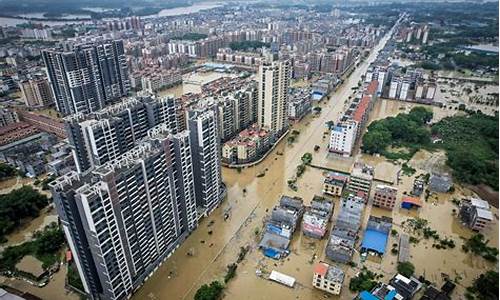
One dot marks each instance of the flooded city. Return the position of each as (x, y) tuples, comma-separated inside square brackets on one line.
[(251, 197), (183, 165)]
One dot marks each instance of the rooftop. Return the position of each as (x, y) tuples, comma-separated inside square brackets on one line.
[(361, 108), (412, 200), (485, 214)]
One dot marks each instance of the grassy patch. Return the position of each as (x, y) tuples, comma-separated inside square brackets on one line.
[(45, 246)]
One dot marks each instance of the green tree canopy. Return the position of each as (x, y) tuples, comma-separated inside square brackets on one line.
[(406, 269)]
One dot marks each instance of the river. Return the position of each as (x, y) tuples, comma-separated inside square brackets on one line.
[(197, 7)]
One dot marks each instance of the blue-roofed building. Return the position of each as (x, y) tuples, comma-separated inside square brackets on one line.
[(376, 235), (365, 295), (374, 241)]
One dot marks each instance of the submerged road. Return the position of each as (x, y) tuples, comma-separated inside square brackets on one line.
[(215, 244)]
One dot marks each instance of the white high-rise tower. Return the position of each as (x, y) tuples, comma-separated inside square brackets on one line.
[(274, 81)]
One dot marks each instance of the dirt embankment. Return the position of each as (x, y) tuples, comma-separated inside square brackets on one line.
[(486, 193)]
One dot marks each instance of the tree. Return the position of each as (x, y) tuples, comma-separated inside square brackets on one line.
[(421, 114), (7, 171), (364, 281), (485, 286), (18, 204), (209, 292), (307, 158), (375, 141), (406, 269), (231, 272)]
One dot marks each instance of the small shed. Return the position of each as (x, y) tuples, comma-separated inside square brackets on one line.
[(282, 278), (411, 202)]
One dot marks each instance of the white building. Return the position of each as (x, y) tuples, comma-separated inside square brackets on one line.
[(394, 89), (431, 91), (328, 278), (425, 38), (343, 137), (154, 82), (273, 84), (405, 88)]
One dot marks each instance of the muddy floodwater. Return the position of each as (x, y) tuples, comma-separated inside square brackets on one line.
[(250, 198), (54, 290)]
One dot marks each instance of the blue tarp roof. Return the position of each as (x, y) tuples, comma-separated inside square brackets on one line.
[(317, 96), (374, 241), (365, 295), (269, 252), (390, 295)]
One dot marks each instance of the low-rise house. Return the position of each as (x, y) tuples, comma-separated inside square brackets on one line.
[(418, 187), (299, 104), (334, 184), (385, 196), (440, 183), (343, 137), (475, 213), (15, 132), (247, 146), (340, 247), (376, 235), (398, 288), (408, 202), (361, 179), (316, 217), (328, 278), (280, 226)]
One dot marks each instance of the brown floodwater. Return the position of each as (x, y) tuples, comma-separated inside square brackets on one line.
[(54, 290), (250, 198), (26, 230)]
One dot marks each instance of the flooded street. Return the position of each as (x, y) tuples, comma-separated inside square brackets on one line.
[(250, 198), (181, 275)]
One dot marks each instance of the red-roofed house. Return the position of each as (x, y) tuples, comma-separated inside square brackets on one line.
[(328, 278), (361, 113), (371, 89), (410, 202)]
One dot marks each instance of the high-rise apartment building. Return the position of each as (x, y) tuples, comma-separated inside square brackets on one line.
[(36, 92), (123, 219), (102, 136), (236, 112), (89, 77), (273, 83), (205, 148)]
